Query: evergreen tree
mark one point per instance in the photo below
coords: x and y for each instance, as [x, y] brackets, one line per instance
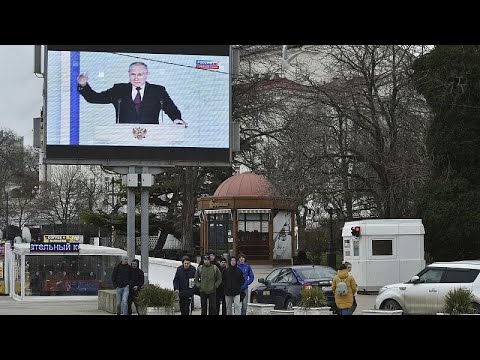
[449, 78]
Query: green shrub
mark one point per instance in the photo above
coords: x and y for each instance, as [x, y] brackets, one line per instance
[459, 301]
[312, 297]
[155, 296]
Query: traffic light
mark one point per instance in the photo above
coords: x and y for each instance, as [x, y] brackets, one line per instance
[356, 231]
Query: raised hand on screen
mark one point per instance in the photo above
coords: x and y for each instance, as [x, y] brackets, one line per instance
[82, 79]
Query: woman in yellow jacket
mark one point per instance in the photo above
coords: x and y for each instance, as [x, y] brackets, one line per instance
[344, 302]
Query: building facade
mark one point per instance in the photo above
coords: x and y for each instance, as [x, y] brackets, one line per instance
[245, 215]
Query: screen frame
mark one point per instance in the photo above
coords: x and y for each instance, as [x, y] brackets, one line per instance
[139, 155]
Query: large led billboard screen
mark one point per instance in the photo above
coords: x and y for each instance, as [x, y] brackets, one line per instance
[146, 105]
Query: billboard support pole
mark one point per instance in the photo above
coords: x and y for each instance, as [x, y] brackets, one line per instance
[147, 182]
[131, 183]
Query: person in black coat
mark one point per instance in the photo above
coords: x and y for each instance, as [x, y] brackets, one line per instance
[233, 279]
[220, 294]
[136, 283]
[183, 283]
[137, 102]
[121, 276]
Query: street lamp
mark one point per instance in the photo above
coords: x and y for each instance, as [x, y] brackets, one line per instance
[331, 255]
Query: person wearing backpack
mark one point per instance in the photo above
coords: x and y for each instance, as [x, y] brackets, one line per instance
[344, 287]
[354, 306]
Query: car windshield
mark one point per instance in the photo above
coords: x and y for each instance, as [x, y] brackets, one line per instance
[316, 273]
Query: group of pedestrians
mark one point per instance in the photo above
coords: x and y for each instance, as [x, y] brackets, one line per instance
[222, 289]
[128, 280]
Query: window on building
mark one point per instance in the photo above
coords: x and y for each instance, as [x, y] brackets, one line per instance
[68, 274]
[252, 227]
[382, 247]
[219, 227]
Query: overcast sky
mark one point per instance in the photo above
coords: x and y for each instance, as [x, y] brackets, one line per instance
[20, 91]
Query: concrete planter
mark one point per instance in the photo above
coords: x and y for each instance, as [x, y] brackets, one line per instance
[298, 310]
[107, 301]
[160, 311]
[455, 314]
[382, 312]
[259, 309]
[282, 312]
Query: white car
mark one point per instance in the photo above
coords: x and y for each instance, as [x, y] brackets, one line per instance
[425, 292]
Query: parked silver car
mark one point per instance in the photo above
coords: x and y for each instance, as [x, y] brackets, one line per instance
[425, 292]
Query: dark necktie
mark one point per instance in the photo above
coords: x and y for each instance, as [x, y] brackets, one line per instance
[138, 100]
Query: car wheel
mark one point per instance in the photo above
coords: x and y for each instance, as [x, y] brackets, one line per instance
[288, 304]
[391, 305]
[476, 308]
[253, 299]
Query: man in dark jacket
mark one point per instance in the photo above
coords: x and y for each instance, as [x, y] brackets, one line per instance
[220, 296]
[233, 280]
[183, 284]
[136, 283]
[121, 276]
[136, 102]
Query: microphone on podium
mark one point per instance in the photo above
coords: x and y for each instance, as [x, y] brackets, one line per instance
[119, 101]
[161, 109]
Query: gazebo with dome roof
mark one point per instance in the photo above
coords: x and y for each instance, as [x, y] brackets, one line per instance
[245, 215]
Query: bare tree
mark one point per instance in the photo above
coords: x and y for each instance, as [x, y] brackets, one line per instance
[345, 129]
[64, 196]
[18, 177]
[384, 123]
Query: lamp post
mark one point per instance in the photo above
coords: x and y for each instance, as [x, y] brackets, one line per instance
[331, 256]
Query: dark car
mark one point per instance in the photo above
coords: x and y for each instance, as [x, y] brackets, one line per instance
[283, 285]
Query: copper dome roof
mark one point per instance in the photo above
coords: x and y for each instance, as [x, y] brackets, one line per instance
[245, 184]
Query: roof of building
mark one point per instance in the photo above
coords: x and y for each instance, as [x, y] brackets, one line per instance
[245, 184]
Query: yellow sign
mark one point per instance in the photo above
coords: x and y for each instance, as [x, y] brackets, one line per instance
[63, 238]
[1, 269]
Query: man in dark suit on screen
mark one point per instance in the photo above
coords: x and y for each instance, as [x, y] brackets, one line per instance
[137, 102]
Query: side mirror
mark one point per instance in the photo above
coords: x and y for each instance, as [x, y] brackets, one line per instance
[415, 279]
[261, 280]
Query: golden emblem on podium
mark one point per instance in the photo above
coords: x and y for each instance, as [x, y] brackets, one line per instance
[139, 133]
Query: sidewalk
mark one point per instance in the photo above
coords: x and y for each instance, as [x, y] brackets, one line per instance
[51, 305]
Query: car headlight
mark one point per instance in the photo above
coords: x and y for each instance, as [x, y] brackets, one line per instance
[382, 289]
